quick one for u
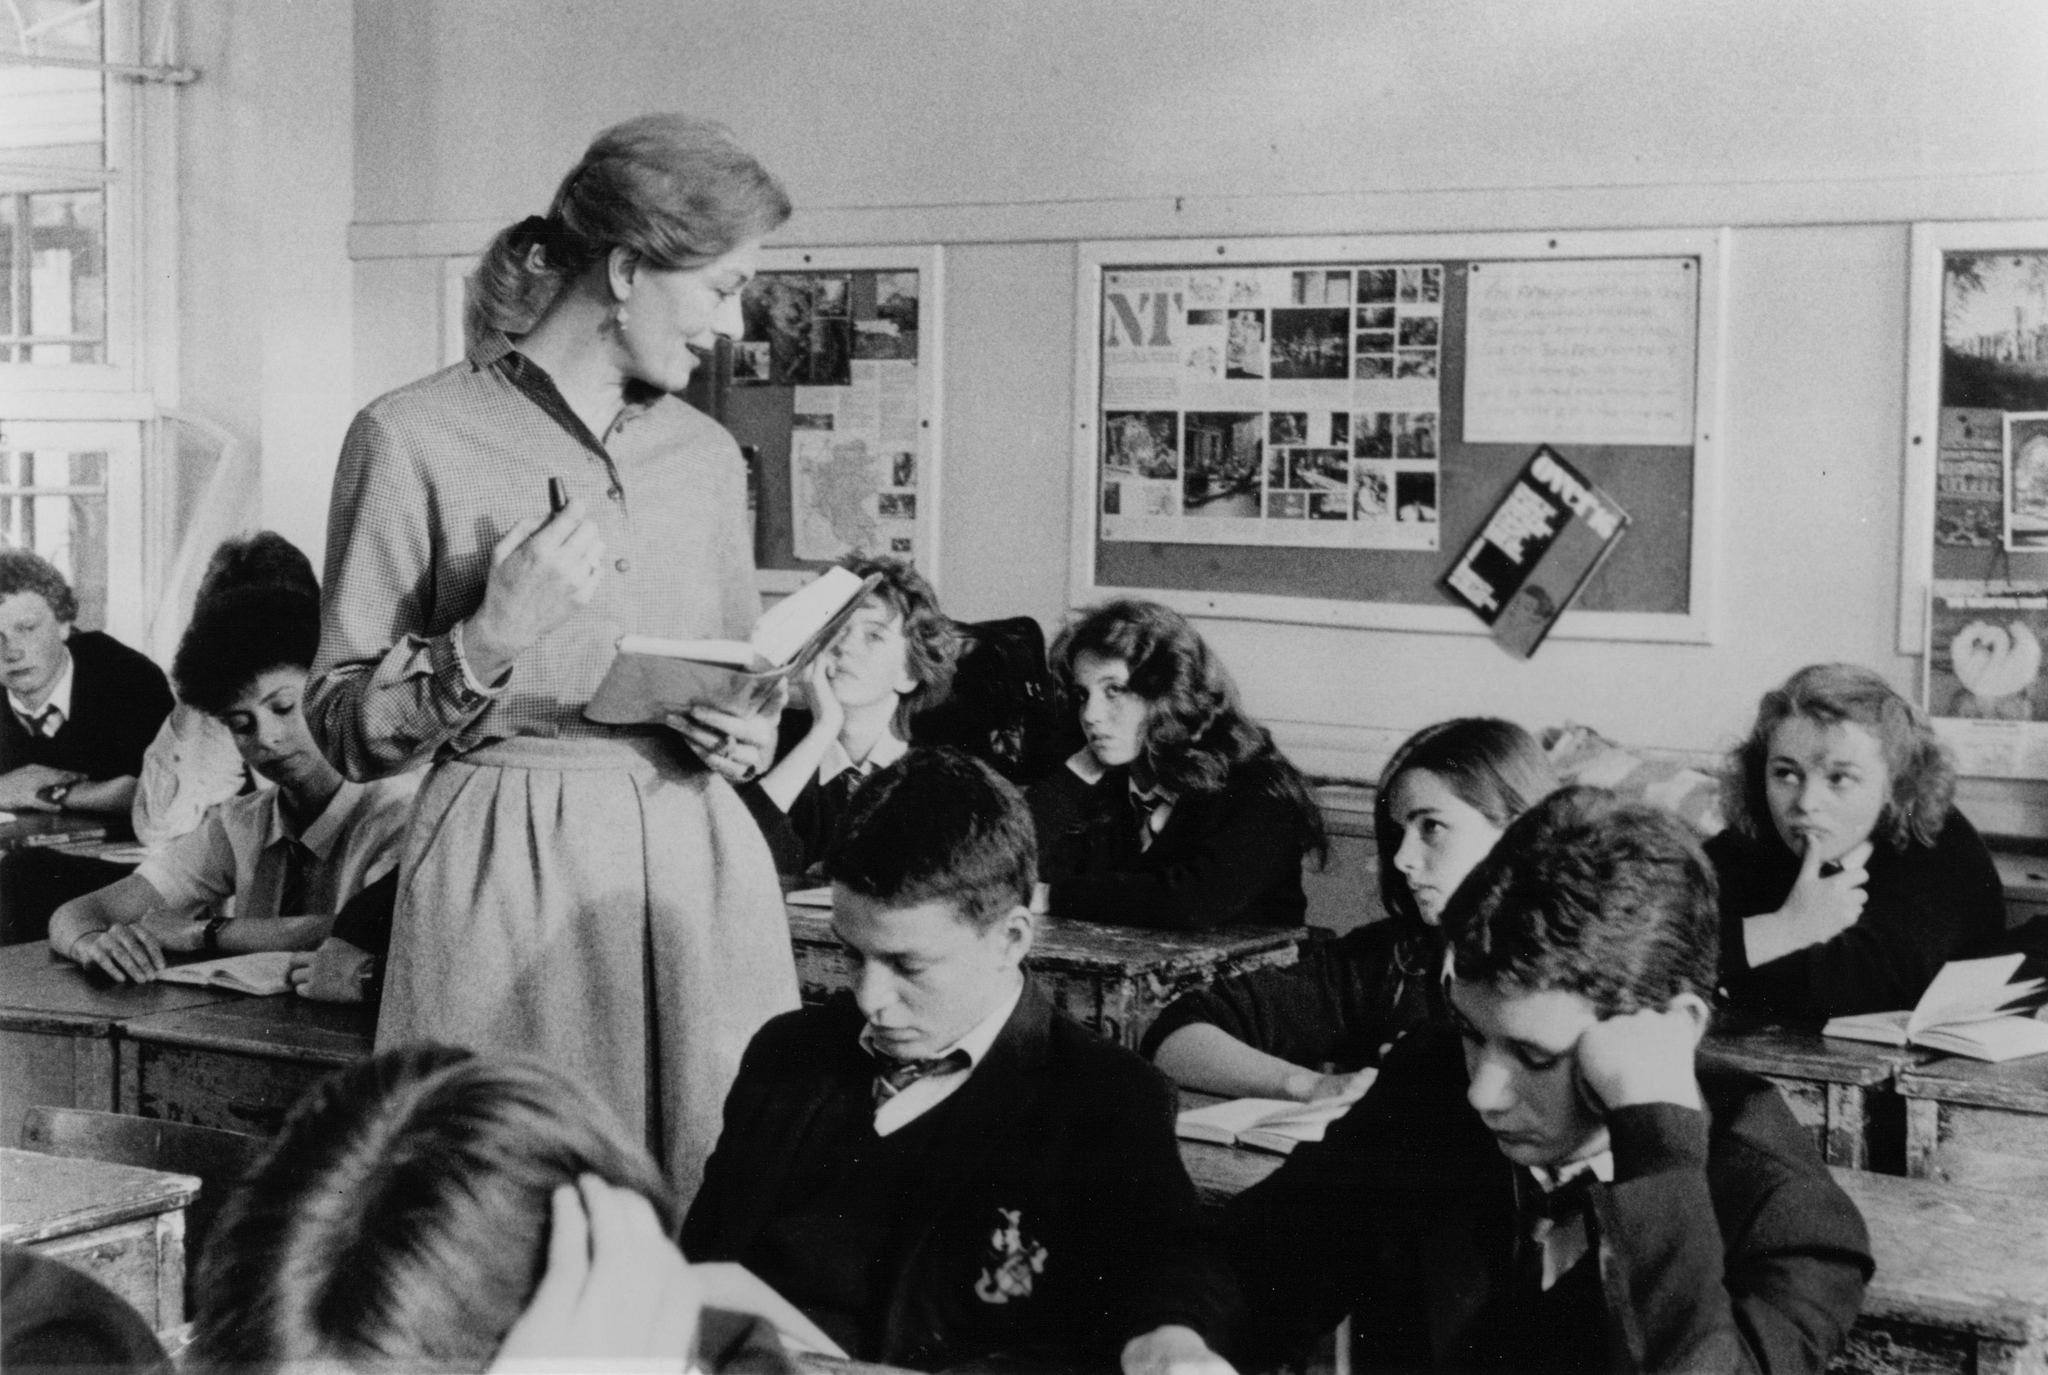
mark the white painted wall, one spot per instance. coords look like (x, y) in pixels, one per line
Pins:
(1010, 129)
(266, 191)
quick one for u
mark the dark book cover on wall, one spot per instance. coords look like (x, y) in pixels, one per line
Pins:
(1536, 551)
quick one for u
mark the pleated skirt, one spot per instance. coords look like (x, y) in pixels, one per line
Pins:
(603, 905)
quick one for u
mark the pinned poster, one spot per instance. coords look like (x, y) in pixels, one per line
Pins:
(1537, 549)
(1984, 687)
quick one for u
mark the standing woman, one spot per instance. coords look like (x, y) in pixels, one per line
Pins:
(592, 895)
(1180, 813)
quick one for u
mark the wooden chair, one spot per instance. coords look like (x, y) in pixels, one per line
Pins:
(219, 1158)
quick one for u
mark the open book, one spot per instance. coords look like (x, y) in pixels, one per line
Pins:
(1978, 1008)
(1264, 1124)
(652, 679)
(261, 973)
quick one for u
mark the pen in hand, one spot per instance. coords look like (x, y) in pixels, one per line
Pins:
(558, 497)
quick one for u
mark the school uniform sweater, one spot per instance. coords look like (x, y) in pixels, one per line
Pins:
(118, 700)
(1921, 905)
(1721, 1244)
(1336, 1008)
(1223, 857)
(1040, 1211)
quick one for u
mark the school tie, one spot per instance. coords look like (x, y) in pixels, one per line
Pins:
(899, 1075)
(836, 791)
(291, 893)
(1554, 1230)
(45, 723)
(1145, 804)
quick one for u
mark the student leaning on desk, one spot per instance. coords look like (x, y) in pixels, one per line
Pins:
(82, 706)
(1551, 1183)
(291, 855)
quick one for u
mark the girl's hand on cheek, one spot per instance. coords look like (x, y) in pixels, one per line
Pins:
(1643, 1057)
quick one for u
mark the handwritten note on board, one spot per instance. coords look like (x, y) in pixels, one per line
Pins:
(1591, 352)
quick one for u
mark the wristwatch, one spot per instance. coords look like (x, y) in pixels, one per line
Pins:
(370, 979)
(54, 793)
(209, 938)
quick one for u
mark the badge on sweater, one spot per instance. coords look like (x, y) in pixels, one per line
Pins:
(1013, 1259)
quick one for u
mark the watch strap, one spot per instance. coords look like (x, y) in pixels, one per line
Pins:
(209, 936)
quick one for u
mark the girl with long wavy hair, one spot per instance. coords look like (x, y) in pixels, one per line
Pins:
(1847, 875)
(1180, 813)
(1318, 1028)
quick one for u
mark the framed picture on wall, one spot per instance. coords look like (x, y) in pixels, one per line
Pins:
(1976, 443)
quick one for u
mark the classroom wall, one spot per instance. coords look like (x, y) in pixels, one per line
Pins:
(265, 285)
(1010, 130)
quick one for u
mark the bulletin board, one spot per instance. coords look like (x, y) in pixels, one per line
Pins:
(1312, 429)
(1977, 353)
(1973, 585)
(834, 396)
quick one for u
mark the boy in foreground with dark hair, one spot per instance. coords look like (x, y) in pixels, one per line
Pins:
(939, 1168)
(291, 855)
(1550, 1183)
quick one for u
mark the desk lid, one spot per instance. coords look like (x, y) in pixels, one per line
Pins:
(1953, 1257)
(47, 1196)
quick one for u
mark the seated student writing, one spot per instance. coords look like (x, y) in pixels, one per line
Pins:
(432, 1209)
(1848, 877)
(193, 763)
(292, 855)
(1180, 813)
(938, 1167)
(1310, 1030)
(1551, 1183)
(894, 660)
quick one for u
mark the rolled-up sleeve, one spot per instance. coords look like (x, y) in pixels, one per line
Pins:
(384, 692)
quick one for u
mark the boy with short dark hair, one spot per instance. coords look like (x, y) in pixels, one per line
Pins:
(1550, 1183)
(939, 1167)
(291, 855)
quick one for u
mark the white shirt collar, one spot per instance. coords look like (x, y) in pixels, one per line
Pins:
(975, 1042)
(1548, 1180)
(1086, 767)
(885, 751)
(60, 695)
(327, 829)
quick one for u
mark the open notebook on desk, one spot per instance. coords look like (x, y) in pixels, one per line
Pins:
(262, 973)
(1266, 1124)
(1987, 1009)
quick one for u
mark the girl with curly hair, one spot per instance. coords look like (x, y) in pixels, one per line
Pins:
(1180, 813)
(1317, 1028)
(1847, 875)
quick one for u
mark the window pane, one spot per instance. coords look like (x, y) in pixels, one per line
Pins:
(53, 157)
(67, 277)
(67, 527)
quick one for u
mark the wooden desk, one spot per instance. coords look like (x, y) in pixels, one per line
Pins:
(57, 1030)
(1962, 1274)
(1115, 979)
(1841, 1091)
(240, 1064)
(1985, 1125)
(28, 830)
(123, 1226)
(1961, 1283)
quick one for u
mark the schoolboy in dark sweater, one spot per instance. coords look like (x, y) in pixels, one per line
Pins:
(1549, 1184)
(81, 706)
(940, 1168)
